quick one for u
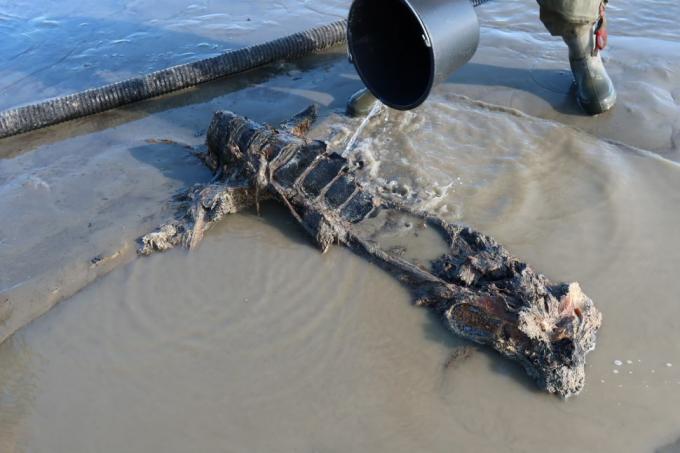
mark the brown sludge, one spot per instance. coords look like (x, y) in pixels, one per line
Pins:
(481, 292)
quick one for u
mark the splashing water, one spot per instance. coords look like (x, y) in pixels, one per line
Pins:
(377, 108)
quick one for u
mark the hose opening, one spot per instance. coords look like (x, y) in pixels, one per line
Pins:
(391, 51)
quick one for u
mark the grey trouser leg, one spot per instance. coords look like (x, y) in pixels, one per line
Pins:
(560, 16)
(574, 21)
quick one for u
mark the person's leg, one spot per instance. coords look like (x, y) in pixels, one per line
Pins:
(360, 103)
(576, 22)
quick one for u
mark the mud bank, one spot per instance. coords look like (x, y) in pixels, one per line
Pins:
(129, 173)
(264, 343)
(79, 236)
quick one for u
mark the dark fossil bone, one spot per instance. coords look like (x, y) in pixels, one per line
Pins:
(481, 292)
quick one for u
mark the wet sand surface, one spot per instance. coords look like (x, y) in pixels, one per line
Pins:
(256, 341)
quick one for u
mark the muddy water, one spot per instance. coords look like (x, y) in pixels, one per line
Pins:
(57, 47)
(257, 342)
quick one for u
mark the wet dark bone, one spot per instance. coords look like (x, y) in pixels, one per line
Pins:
(481, 292)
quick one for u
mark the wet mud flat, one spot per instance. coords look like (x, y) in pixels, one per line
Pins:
(267, 345)
(82, 234)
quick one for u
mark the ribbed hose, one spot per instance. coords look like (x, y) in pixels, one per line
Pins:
(96, 100)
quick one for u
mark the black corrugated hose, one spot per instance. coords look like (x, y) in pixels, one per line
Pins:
(96, 100)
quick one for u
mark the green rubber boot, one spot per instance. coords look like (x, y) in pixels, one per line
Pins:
(361, 103)
(594, 89)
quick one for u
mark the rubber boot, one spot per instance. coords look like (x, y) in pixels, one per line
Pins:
(594, 89)
(361, 103)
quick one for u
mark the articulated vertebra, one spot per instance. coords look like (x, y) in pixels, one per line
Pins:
(481, 292)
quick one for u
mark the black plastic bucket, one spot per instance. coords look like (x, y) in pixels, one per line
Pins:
(402, 48)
